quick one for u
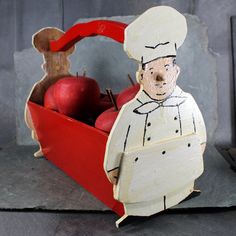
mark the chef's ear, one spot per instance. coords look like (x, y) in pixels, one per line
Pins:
(177, 70)
(139, 74)
(176, 67)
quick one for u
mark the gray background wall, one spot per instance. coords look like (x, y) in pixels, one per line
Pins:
(20, 19)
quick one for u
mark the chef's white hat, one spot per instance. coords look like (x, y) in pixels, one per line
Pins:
(158, 32)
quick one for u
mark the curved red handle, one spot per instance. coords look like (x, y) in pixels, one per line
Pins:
(111, 29)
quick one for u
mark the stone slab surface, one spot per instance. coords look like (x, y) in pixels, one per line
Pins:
(102, 224)
(7, 75)
(106, 61)
(216, 15)
(20, 19)
(30, 183)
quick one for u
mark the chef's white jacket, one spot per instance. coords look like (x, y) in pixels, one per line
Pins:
(145, 131)
(144, 121)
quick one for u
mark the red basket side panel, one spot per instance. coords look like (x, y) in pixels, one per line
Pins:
(77, 149)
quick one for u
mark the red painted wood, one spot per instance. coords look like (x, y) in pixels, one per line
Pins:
(111, 29)
(76, 148)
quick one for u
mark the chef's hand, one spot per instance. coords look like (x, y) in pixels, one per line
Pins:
(113, 176)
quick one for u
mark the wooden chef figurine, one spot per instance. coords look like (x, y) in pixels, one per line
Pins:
(154, 151)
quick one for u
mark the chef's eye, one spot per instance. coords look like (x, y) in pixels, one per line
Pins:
(151, 70)
(166, 67)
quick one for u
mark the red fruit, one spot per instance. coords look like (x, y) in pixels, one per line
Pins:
(105, 97)
(49, 101)
(106, 120)
(77, 96)
(103, 105)
(127, 95)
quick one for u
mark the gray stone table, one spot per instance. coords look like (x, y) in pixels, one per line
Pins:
(30, 183)
(102, 224)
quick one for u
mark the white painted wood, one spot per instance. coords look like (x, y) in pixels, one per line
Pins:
(140, 119)
(164, 29)
(154, 150)
(161, 168)
(130, 130)
(56, 65)
(147, 208)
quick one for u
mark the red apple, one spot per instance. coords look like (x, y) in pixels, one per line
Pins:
(106, 120)
(76, 96)
(127, 94)
(105, 97)
(103, 105)
(49, 100)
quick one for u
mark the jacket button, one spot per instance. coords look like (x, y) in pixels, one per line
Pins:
(175, 118)
(148, 124)
(189, 144)
(164, 152)
(149, 138)
(176, 131)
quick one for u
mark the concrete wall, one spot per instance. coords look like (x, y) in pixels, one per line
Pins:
(20, 19)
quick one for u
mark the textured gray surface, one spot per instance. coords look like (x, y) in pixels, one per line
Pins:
(233, 41)
(27, 182)
(106, 61)
(7, 75)
(216, 15)
(28, 70)
(34, 15)
(59, 224)
(20, 19)
(83, 9)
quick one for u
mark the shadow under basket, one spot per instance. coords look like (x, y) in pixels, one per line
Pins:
(77, 149)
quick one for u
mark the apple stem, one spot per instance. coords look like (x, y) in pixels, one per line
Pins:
(84, 73)
(131, 80)
(112, 98)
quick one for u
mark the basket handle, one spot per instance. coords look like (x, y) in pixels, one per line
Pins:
(108, 28)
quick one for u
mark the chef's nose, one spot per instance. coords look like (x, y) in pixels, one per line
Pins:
(159, 78)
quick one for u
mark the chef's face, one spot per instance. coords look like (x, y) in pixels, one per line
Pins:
(159, 77)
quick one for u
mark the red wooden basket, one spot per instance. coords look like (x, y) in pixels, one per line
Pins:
(75, 147)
